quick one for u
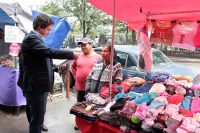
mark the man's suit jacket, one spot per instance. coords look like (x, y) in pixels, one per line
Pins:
(35, 62)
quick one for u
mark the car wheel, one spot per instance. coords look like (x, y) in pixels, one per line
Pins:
(71, 78)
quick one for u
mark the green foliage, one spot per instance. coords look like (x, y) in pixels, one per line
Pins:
(87, 16)
(87, 20)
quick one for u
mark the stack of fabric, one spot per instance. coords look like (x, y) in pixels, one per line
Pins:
(159, 102)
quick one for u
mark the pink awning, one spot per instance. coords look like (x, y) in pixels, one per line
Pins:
(136, 12)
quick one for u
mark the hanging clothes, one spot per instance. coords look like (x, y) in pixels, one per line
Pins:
(162, 32)
(184, 34)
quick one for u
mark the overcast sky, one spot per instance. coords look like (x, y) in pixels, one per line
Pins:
(34, 4)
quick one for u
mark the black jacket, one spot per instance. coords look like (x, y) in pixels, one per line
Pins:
(35, 63)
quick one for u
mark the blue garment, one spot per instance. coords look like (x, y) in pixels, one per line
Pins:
(155, 104)
(129, 74)
(144, 98)
(133, 95)
(36, 108)
(119, 96)
(142, 88)
(157, 76)
(186, 103)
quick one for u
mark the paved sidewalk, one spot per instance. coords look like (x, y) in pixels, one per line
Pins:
(57, 117)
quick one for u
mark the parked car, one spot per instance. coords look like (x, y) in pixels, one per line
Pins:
(127, 55)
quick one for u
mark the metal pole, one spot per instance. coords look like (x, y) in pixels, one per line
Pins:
(178, 12)
(112, 50)
(67, 81)
(15, 16)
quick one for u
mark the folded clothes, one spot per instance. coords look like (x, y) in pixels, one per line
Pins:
(157, 88)
(142, 88)
(141, 111)
(176, 99)
(171, 109)
(188, 125)
(195, 105)
(157, 76)
(172, 125)
(128, 109)
(155, 104)
(144, 98)
(186, 102)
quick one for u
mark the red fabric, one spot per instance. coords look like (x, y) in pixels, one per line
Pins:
(104, 91)
(135, 11)
(161, 33)
(185, 112)
(96, 127)
(176, 99)
(125, 86)
(86, 126)
(197, 38)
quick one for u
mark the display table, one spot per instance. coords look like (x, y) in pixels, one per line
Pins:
(96, 127)
(10, 92)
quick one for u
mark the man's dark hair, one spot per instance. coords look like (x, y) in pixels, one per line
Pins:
(42, 21)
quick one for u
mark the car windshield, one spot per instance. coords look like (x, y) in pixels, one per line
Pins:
(159, 59)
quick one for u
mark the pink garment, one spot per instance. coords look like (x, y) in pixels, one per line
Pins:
(141, 111)
(188, 125)
(171, 109)
(195, 87)
(162, 99)
(145, 48)
(157, 88)
(184, 34)
(82, 67)
(195, 105)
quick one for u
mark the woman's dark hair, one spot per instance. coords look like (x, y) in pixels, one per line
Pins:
(42, 21)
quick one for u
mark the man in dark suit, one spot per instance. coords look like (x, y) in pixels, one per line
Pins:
(36, 73)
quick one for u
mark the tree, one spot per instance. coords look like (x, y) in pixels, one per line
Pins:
(88, 19)
(88, 16)
(122, 28)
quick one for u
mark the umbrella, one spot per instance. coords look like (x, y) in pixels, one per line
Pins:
(136, 12)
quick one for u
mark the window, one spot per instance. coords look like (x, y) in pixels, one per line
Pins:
(130, 62)
(159, 59)
(124, 59)
(121, 57)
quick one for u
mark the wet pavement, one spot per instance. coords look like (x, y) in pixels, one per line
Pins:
(57, 117)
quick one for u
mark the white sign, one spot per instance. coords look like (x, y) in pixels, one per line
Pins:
(13, 34)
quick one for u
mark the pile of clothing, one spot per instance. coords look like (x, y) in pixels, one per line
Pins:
(156, 103)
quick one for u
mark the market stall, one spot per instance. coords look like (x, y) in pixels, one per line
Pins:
(149, 104)
(159, 101)
(10, 92)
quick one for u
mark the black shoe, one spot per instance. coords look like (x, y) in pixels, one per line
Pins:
(76, 128)
(44, 128)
